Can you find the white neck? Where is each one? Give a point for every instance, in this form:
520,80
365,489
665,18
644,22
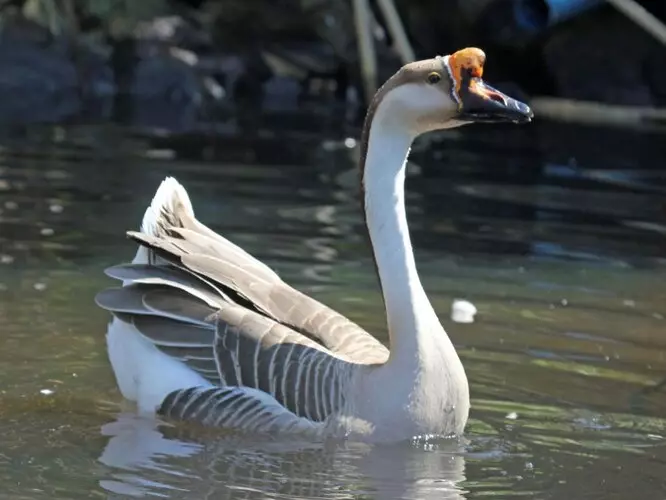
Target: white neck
423,372
411,319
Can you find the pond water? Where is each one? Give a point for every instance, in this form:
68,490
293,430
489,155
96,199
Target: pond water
555,233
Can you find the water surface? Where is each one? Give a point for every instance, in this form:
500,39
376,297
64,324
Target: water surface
556,235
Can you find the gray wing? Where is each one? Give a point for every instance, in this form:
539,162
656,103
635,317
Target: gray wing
185,242
227,343
263,292
239,408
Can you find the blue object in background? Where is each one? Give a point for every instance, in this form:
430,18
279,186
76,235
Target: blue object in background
536,15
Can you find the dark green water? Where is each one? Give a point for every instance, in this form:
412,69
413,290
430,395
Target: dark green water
557,236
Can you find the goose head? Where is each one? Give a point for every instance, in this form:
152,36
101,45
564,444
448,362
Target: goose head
444,92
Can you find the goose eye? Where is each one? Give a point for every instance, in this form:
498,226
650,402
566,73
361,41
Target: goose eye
434,77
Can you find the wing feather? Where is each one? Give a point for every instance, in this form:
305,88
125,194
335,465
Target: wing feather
205,301
239,408
268,295
231,345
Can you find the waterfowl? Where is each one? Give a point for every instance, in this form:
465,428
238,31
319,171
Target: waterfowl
202,331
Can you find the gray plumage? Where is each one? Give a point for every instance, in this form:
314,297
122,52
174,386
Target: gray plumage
232,407
228,317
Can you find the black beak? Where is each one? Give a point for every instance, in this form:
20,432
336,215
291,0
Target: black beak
482,103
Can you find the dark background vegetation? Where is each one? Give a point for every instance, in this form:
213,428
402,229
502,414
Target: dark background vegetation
175,63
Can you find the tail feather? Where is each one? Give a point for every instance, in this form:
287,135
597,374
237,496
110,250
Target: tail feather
144,373
170,200
171,208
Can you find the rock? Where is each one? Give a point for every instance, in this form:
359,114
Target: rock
145,81
36,85
45,78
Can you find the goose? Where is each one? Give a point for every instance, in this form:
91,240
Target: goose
202,331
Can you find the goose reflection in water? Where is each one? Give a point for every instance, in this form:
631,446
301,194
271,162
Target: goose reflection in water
148,458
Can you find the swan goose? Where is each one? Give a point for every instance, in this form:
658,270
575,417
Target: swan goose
202,331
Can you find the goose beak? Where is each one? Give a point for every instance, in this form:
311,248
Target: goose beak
479,102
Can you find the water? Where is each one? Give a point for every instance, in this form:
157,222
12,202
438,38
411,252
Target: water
556,235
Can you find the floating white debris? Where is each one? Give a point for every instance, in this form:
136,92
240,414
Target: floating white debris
56,208
46,392
463,311
6,259
512,416
40,287
46,231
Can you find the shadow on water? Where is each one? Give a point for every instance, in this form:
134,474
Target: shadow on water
556,234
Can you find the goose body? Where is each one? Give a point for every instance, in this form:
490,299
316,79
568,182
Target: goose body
203,331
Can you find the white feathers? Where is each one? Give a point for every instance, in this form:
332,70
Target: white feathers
168,196
143,373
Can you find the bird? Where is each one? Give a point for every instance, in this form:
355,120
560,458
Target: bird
202,331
